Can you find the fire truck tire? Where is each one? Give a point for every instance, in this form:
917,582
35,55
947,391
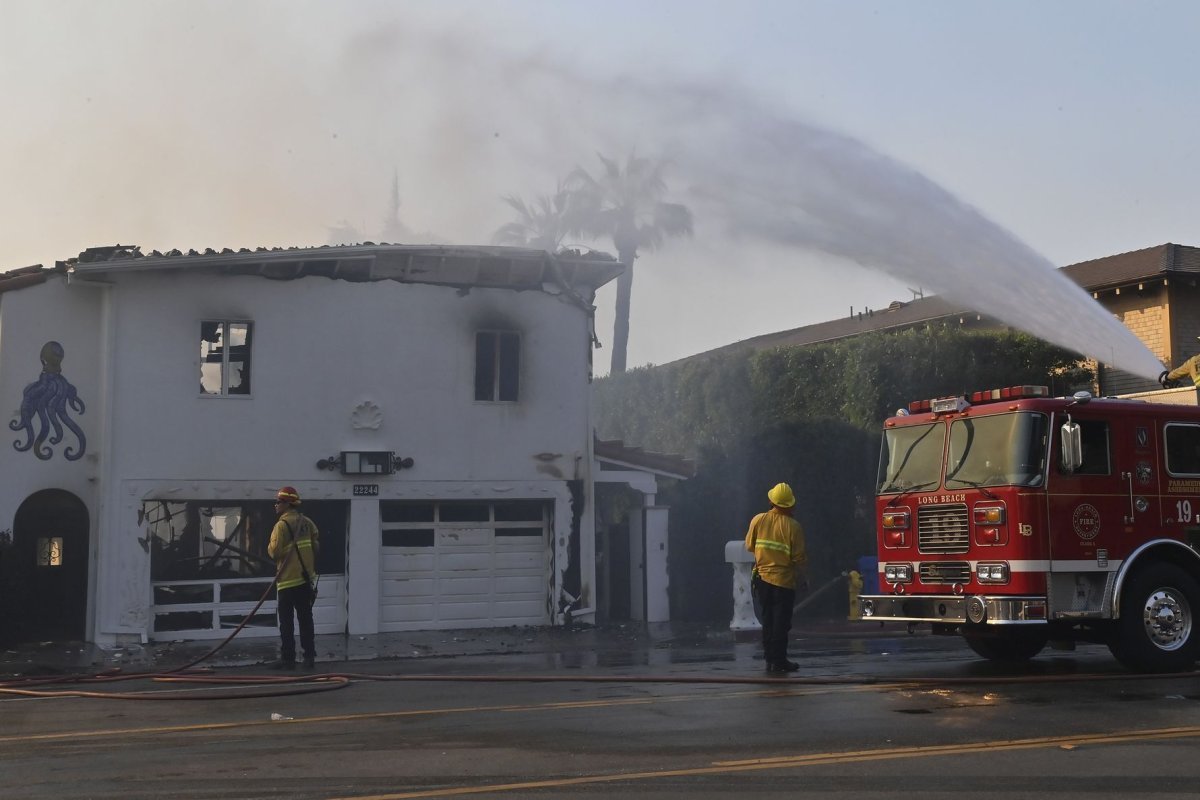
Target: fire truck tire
1007,645
1157,628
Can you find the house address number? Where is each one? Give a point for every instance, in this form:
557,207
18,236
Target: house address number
366,489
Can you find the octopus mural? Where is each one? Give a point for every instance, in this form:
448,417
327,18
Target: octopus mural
46,406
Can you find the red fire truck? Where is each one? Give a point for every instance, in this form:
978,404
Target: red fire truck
1016,520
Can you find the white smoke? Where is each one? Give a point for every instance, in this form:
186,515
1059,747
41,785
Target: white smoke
303,117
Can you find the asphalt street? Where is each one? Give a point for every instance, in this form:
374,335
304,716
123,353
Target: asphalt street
679,712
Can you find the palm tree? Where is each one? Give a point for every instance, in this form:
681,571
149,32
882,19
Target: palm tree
625,204
541,225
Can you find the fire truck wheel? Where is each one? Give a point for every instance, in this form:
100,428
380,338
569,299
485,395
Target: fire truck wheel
1156,631
1009,645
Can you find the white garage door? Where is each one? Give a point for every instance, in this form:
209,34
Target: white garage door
464,564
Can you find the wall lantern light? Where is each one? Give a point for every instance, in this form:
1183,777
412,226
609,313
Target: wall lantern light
365,462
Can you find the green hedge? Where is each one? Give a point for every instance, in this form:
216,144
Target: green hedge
806,415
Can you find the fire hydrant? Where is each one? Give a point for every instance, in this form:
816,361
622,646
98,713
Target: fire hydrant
855,582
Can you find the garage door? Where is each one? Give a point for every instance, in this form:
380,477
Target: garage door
464,564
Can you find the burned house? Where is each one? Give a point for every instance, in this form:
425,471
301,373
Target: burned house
432,405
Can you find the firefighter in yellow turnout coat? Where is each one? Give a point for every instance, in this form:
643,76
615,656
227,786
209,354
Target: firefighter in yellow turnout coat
293,545
777,542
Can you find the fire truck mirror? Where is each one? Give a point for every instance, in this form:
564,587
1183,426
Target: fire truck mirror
1072,446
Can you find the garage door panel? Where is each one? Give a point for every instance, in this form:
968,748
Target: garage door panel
420,587
407,612
529,544
453,611
483,574
520,584
450,587
535,562
457,562
408,562
465,538
520,609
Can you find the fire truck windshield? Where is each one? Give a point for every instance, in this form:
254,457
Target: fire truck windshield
911,458
997,450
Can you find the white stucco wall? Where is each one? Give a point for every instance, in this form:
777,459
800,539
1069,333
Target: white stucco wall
29,318
320,349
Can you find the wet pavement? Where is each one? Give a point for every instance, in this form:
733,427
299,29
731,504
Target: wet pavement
628,643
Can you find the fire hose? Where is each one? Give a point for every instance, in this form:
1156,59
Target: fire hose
322,682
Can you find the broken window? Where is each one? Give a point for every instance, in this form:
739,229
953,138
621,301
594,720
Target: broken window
209,563
497,365
225,358
203,540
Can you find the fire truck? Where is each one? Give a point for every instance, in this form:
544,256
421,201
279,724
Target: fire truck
1017,520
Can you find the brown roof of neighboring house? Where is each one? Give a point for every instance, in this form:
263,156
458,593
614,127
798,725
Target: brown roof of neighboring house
1123,268
618,452
1097,274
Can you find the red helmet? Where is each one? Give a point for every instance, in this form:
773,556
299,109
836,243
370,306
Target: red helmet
289,495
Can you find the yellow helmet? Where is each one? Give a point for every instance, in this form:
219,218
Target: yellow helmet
782,496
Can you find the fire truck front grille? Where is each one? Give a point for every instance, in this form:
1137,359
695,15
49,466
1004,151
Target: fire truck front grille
945,572
943,529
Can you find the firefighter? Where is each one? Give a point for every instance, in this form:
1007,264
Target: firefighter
293,545
777,542
1190,368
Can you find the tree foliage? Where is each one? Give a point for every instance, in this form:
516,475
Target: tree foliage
806,415
540,224
626,204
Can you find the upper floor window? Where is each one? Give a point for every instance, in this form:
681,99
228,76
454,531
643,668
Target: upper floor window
225,358
497,365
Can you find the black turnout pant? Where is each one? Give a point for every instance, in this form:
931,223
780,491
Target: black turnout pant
296,602
776,617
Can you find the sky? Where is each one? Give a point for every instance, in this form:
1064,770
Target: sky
829,151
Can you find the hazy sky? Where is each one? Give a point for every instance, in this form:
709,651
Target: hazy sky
1073,125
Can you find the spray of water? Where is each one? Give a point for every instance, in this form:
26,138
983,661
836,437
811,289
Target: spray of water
797,184
763,175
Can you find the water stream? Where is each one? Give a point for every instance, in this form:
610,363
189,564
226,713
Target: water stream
753,170
788,182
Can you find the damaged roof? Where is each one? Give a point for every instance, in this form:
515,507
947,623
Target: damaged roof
25,276
466,266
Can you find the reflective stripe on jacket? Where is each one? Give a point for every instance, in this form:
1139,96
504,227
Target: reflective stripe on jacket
1191,368
280,548
777,542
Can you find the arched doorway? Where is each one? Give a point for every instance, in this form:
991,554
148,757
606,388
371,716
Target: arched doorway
45,573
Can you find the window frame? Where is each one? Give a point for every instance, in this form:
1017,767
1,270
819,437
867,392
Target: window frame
1167,460
224,327
505,377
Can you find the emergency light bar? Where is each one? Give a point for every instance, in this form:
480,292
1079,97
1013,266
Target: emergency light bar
949,405
1011,393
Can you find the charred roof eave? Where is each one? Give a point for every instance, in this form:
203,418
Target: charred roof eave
482,267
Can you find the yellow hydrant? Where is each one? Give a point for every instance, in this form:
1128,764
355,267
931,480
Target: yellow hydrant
855,582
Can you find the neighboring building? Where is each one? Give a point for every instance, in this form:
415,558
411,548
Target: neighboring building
1154,292
432,405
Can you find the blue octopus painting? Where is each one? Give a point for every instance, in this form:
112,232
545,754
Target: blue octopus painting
50,399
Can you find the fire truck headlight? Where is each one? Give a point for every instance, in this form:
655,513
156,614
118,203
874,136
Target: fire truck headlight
988,515
895,520
992,573
897,573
